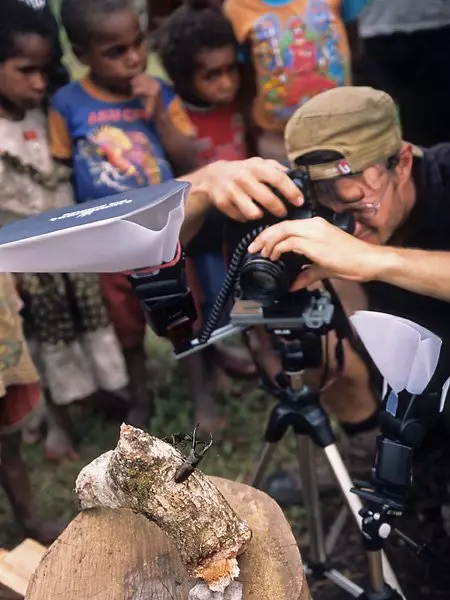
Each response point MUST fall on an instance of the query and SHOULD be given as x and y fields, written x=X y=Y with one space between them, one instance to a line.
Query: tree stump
x=153 y=478
x=108 y=554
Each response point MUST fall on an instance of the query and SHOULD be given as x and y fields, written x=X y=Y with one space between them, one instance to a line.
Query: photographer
x=397 y=193
x=238 y=189
x=350 y=141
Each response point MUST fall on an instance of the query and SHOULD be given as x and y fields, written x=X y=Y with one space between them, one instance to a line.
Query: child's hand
x=149 y=89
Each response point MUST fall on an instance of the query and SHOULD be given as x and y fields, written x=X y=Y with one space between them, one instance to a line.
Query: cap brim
x=418 y=152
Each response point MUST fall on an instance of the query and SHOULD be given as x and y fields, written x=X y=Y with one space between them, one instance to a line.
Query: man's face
x=380 y=198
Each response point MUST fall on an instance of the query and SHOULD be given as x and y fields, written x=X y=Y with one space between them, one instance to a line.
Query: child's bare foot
x=59 y=446
x=34 y=430
x=31 y=436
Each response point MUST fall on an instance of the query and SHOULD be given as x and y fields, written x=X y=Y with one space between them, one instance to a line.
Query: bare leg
x=141 y=398
x=350 y=398
x=261 y=345
x=15 y=482
x=61 y=440
x=233 y=360
x=206 y=410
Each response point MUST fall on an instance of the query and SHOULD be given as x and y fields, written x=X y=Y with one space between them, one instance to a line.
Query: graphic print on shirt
x=119 y=159
x=298 y=59
x=219 y=136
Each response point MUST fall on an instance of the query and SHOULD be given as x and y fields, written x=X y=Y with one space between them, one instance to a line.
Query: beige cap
x=360 y=123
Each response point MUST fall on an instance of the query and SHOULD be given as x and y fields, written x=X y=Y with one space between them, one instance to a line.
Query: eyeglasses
x=359 y=192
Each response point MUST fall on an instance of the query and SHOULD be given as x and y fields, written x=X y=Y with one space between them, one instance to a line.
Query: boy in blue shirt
x=119 y=129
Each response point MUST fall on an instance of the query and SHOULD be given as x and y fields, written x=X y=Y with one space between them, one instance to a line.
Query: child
x=65 y=314
x=298 y=49
x=115 y=127
x=198 y=50
x=20 y=398
x=57 y=74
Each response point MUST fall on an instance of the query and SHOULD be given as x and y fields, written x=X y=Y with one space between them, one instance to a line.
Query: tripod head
x=298 y=329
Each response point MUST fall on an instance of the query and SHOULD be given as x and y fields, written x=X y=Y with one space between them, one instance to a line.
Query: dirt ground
x=233 y=453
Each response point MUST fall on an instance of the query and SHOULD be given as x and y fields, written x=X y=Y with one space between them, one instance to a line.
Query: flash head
x=132 y=230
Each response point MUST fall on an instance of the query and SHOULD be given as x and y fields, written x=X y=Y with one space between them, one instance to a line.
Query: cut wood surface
x=18 y=565
x=108 y=554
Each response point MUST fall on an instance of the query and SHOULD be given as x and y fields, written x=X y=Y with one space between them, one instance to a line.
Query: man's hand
x=146 y=87
x=237 y=187
x=333 y=252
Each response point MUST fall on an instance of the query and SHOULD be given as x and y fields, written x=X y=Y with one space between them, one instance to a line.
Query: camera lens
x=262 y=280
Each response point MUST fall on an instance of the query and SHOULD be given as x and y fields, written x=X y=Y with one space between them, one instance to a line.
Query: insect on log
x=139 y=474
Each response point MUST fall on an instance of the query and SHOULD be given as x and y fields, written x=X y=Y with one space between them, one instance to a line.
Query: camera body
x=260 y=279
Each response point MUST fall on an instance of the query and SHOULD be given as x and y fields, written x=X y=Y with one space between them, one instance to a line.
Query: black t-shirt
x=430 y=230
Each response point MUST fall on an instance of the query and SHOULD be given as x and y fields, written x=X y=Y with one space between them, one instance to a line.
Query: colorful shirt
x=219 y=133
x=112 y=144
x=299 y=49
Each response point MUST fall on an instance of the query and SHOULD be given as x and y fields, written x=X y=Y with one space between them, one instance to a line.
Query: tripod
x=299 y=407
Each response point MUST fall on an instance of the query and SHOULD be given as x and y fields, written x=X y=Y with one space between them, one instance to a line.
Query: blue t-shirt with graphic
x=112 y=145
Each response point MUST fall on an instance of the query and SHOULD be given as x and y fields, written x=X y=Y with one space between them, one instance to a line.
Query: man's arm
x=421 y=271
x=335 y=253
x=238 y=189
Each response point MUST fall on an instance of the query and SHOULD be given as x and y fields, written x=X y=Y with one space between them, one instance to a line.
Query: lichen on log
x=139 y=474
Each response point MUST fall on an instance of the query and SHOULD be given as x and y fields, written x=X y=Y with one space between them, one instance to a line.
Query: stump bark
x=139 y=475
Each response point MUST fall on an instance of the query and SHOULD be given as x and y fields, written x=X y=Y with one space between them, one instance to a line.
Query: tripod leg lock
x=313 y=421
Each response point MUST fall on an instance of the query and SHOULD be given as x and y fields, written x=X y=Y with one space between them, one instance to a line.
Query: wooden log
x=140 y=474
x=18 y=565
x=109 y=554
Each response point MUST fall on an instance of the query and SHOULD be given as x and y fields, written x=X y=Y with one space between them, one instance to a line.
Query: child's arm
x=60 y=142
x=246 y=97
x=178 y=146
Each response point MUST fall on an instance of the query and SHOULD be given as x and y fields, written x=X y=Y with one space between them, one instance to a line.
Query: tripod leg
x=260 y=465
x=376 y=571
x=379 y=569
x=344 y=481
x=336 y=529
x=312 y=499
